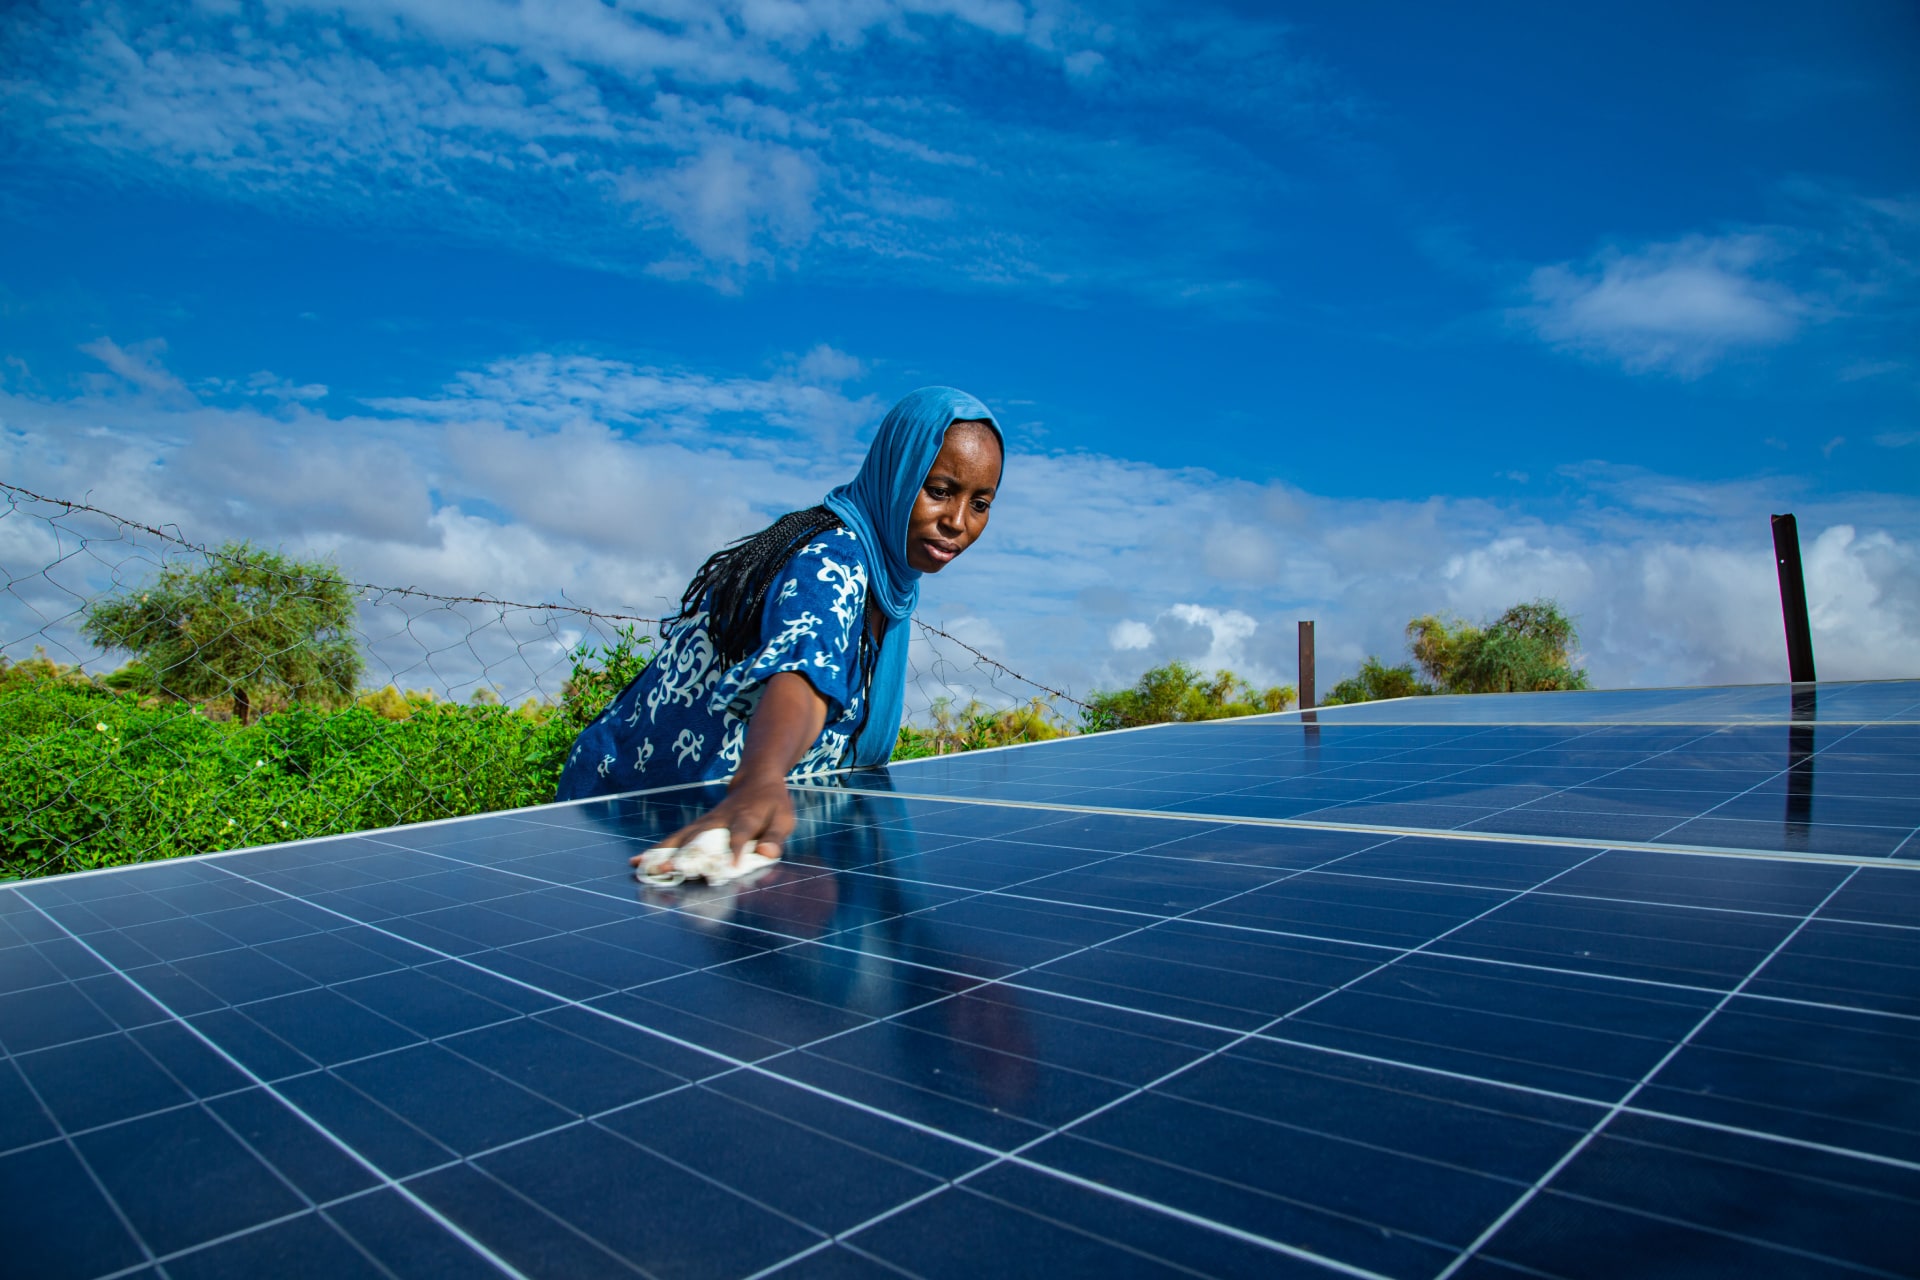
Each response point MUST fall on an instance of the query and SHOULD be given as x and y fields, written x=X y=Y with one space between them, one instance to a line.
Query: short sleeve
x=812 y=621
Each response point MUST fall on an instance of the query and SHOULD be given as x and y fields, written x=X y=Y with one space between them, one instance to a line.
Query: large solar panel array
x=1561 y=985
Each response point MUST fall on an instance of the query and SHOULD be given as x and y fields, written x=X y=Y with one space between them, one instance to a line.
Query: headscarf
x=878 y=505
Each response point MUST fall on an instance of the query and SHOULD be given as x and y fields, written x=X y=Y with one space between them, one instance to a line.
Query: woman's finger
x=774 y=835
x=761 y=833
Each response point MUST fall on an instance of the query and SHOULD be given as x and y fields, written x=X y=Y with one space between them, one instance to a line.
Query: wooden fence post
x=1306 y=666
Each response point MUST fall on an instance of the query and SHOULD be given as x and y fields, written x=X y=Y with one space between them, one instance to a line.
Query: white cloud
x=1686 y=305
x=1678 y=307
x=139 y=365
x=1085 y=63
x=1129 y=634
x=720 y=143
x=602 y=483
x=828 y=366
x=1226 y=633
x=734 y=204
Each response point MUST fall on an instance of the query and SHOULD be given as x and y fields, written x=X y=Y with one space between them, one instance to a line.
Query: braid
x=735 y=580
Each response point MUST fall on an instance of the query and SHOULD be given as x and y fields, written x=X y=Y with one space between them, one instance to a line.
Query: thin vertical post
x=1306 y=666
x=1793 y=599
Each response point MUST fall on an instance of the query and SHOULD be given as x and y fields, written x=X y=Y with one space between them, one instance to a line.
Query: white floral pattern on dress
x=684 y=700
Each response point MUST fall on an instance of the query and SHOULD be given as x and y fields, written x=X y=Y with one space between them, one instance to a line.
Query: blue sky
x=1352 y=311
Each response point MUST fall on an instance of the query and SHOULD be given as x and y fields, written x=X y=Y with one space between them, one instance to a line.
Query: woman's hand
x=758 y=808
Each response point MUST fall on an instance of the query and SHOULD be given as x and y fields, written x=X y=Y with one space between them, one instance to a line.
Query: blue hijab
x=878 y=505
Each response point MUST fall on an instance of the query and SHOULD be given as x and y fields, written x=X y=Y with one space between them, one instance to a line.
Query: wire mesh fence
x=161 y=697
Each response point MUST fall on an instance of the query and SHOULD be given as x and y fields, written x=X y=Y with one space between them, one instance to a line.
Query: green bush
x=1376 y=680
x=1528 y=648
x=93 y=774
x=975 y=726
x=1177 y=692
x=90 y=778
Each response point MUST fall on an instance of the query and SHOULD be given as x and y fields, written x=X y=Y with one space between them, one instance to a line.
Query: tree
x=1526 y=649
x=1376 y=680
x=252 y=624
x=977 y=725
x=1178 y=692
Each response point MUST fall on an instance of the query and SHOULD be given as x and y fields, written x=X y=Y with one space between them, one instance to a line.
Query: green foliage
x=37 y=670
x=134 y=677
x=600 y=673
x=391 y=704
x=251 y=625
x=1376 y=680
x=1178 y=692
x=93 y=775
x=92 y=778
x=1526 y=649
x=975 y=726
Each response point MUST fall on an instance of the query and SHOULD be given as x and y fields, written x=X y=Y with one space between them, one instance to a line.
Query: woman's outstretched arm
x=757 y=808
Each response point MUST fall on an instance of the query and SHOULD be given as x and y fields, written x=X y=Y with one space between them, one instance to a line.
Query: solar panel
x=1609 y=988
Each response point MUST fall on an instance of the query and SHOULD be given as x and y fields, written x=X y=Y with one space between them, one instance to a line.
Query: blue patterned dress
x=685 y=718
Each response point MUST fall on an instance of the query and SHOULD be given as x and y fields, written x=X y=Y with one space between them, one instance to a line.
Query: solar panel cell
x=1351 y=997
x=1719 y=1200
x=57 y=1222
x=303 y=1247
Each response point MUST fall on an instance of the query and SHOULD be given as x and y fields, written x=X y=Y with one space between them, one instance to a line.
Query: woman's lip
x=941 y=551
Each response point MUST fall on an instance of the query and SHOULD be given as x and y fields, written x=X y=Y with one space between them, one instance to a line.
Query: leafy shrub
x=95 y=776
x=90 y=778
x=1526 y=649
x=599 y=674
x=1177 y=692
x=975 y=726
x=1377 y=680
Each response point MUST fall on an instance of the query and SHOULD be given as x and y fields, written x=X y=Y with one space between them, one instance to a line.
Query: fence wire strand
x=456 y=704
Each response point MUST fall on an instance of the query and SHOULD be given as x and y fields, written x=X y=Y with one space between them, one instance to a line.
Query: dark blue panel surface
x=964 y=1037
x=1836 y=776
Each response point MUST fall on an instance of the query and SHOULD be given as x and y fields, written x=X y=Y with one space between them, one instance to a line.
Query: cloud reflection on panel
x=858 y=875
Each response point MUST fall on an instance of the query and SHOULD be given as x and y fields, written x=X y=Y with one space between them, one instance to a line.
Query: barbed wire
x=995 y=664
x=97 y=770
x=15 y=491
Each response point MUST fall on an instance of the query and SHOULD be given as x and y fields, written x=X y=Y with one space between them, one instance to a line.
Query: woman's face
x=951 y=510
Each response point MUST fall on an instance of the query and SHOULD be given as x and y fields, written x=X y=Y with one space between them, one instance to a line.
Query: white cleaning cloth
x=708 y=856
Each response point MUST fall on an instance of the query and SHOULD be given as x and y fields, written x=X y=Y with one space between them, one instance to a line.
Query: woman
x=789 y=653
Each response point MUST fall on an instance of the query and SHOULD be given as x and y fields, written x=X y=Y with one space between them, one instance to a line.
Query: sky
x=1351 y=312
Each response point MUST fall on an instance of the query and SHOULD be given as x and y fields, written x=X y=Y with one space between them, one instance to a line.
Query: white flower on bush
x=100 y=728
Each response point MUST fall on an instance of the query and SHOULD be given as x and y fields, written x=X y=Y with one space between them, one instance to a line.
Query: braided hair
x=734 y=583
x=735 y=580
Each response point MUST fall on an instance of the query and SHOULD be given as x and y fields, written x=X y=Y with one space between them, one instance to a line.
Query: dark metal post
x=1306 y=666
x=1793 y=599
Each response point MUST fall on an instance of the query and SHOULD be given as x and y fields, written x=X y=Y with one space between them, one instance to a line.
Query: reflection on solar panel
x=1597 y=985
